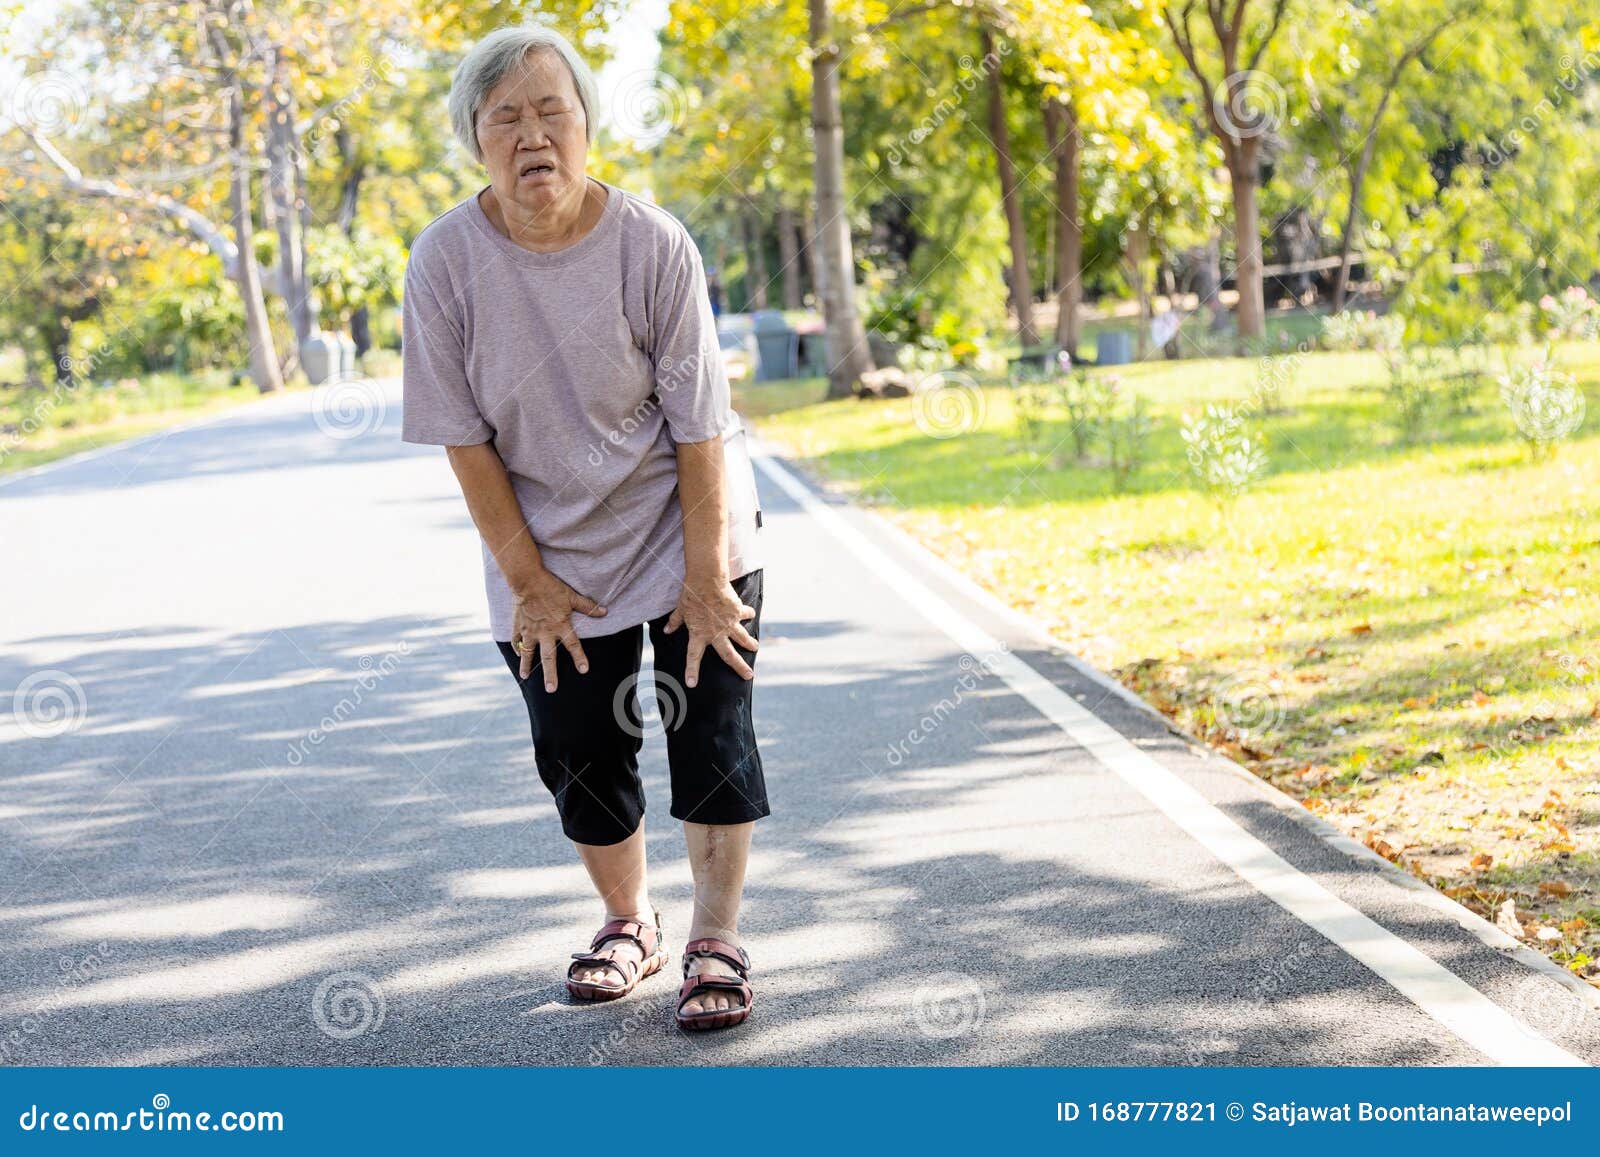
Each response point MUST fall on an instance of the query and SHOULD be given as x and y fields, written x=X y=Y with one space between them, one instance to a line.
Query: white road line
x=1437 y=991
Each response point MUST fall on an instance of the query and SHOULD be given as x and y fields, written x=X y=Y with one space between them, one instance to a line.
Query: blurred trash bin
x=777 y=346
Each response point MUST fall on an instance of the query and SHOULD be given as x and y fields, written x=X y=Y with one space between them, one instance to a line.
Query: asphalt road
x=266 y=797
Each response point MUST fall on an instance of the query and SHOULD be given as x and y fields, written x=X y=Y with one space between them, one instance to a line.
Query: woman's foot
x=625 y=951
x=709 y=999
x=716 y=984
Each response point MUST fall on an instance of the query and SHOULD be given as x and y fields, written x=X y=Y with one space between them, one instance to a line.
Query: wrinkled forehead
x=539 y=76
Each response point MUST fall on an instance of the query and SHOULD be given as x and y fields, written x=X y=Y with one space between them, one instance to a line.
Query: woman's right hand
x=542 y=620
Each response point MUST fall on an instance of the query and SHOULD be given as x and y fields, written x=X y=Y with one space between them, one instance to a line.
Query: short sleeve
x=691 y=383
x=438 y=407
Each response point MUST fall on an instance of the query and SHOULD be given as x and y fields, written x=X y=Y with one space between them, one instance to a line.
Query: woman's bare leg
x=717 y=857
x=618 y=873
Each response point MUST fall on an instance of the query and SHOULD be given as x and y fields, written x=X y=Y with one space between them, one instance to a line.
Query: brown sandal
x=632 y=971
x=738 y=960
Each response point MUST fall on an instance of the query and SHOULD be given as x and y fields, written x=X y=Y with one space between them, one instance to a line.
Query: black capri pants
x=587 y=732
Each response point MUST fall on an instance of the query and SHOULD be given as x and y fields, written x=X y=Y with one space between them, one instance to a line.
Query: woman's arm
x=543 y=603
x=708 y=605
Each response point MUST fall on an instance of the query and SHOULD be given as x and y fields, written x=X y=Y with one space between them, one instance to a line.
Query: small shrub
x=1127 y=436
x=1032 y=403
x=1225 y=457
x=1545 y=403
x=1572 y=315
x=1353 y=330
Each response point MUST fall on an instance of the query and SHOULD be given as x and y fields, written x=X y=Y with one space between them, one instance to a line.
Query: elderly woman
x=559 y=343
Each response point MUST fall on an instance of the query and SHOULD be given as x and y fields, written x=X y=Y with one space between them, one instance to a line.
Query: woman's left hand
x=715 y=618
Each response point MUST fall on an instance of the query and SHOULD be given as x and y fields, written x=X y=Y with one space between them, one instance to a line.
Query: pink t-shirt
x=585 y=367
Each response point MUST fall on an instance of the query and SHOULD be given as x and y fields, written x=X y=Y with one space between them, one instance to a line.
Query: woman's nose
x=530 y=133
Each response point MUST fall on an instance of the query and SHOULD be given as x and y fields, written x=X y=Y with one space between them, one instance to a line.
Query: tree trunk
x=1061 y=125
x=1243 y=176
x=1135 y=258
x=808 y=242
x=258 y=331
x=58 y=343
x=789 y=258
x=282 y=182
x=1021 y=285
x=1208 y=284
x=349 y=199
x=848 y=355
x=755 y=265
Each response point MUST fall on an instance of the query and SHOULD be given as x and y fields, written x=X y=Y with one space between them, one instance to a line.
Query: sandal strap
x=711 y=980
x=643 y=935
x=712 y=948
x=647 y=938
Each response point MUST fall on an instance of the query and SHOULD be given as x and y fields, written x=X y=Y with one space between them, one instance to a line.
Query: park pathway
x=266 y=797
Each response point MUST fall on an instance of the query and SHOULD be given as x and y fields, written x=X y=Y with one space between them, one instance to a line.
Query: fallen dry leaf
x=1483 y=861
x=1505 y=919
x=1555 y=887
x=1361 y=629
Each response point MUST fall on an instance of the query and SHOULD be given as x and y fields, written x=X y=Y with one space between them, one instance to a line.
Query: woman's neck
x=552 y=228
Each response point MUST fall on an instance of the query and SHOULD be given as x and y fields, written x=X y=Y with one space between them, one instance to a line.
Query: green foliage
x=1225 y=457
x=1545 y=404
x=349 y=272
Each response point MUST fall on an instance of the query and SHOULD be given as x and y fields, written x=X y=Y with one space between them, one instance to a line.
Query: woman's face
x=533 y=134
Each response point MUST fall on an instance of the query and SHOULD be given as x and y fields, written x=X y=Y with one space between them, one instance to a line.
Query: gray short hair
x=492 y=58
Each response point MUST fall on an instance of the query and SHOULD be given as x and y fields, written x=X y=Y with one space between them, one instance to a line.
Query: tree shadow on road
x=328 y=845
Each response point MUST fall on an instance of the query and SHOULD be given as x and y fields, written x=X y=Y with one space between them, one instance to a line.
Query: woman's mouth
x=537 y=168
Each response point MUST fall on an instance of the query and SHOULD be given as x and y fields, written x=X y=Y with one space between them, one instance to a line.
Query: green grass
x=41 y=424
x=1404 y=636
